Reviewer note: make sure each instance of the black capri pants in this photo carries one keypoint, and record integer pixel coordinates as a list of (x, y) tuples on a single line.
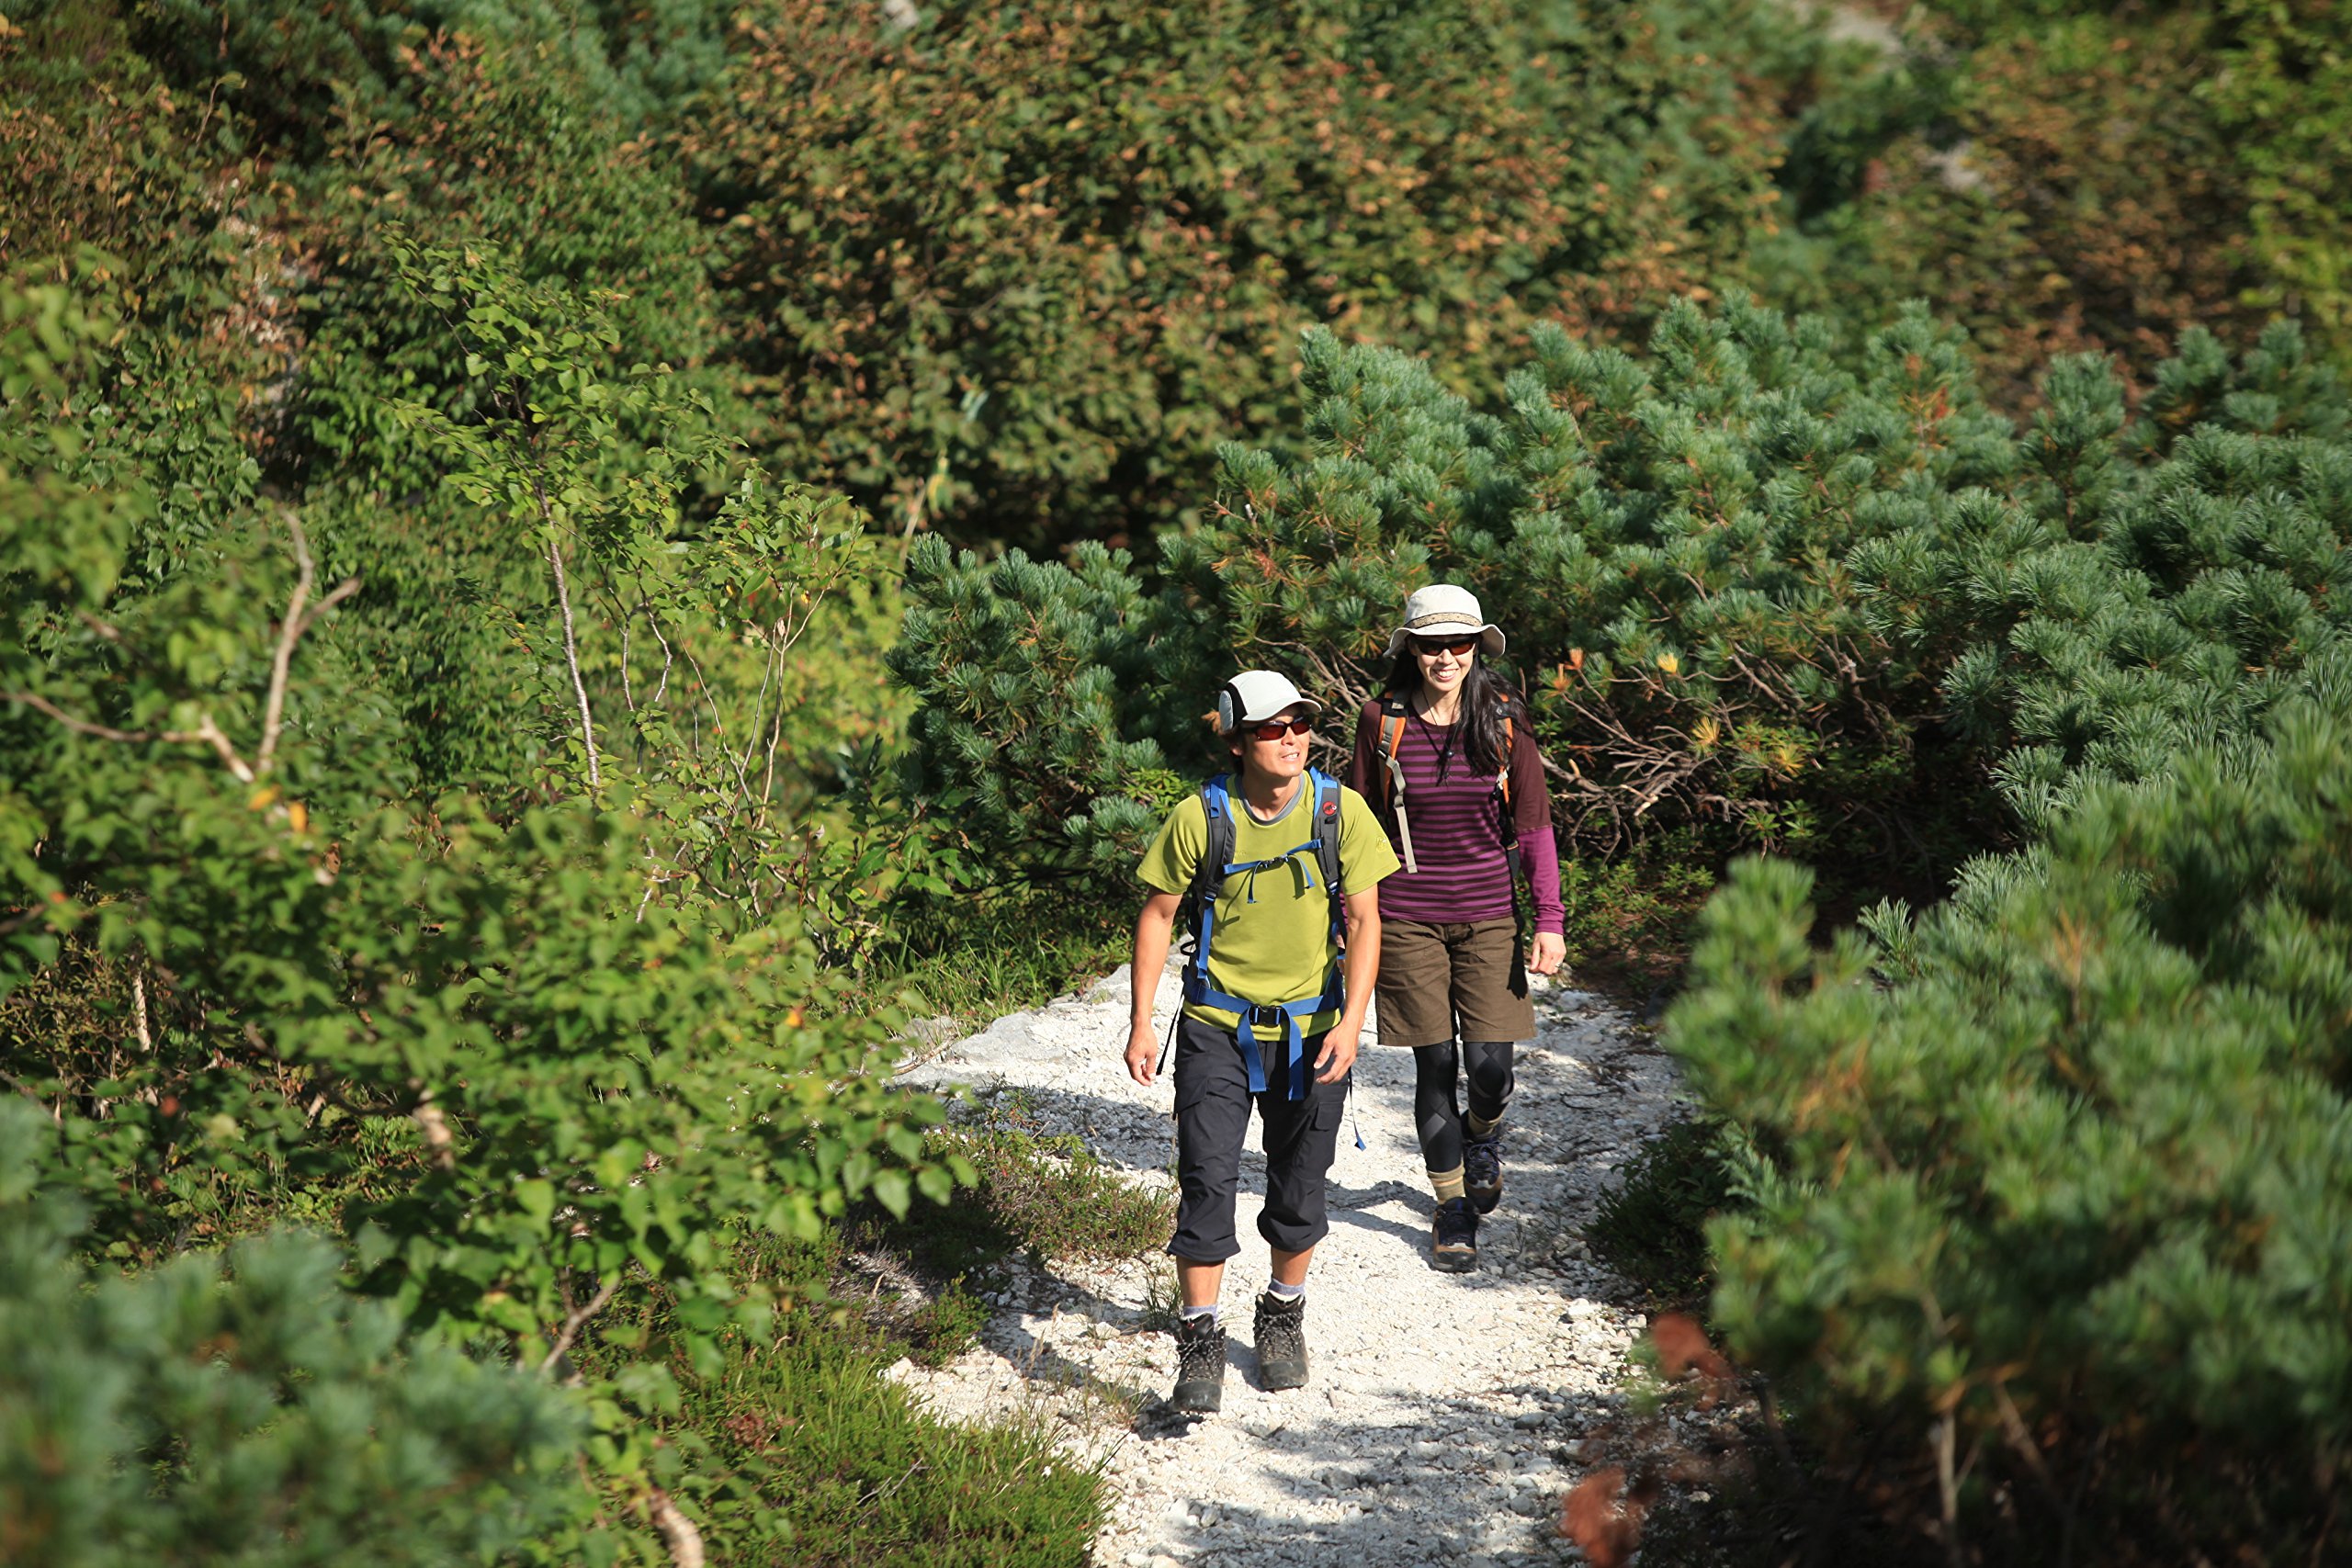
[(1213, 1117)]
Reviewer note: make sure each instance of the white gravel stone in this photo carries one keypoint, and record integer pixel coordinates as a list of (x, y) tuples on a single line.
[(1437, 1403)]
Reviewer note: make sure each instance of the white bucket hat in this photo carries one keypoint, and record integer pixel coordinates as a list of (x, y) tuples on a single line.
[(1258, 695), (1441, 608)]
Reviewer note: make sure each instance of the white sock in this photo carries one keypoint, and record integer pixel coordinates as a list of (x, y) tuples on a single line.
[(1208, 1312), (1283, 1292)]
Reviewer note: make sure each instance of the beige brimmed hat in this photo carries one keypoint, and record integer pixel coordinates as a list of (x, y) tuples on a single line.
[(1441, 608)]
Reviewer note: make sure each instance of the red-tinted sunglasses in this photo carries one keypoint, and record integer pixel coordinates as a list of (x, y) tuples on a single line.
[(1432, 647), (1275, 728)]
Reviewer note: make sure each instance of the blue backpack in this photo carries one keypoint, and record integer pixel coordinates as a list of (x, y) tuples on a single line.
[(1208, 885)]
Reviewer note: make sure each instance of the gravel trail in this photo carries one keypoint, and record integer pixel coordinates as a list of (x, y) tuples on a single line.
[(1441, 1417)]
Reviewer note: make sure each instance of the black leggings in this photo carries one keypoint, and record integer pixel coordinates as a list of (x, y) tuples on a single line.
[(1437, 1113)]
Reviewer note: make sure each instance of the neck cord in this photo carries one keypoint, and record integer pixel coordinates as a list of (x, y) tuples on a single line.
[(1444, 752)]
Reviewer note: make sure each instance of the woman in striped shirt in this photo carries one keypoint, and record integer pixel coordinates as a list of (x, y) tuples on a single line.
[(1448, 755)]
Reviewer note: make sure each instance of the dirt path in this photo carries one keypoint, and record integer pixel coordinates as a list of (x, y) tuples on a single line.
[(1439, 1422)]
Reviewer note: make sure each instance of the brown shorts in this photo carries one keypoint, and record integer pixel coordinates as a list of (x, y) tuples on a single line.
[(1431, 974)]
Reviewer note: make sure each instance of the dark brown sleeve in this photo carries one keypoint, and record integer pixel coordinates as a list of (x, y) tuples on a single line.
[(1367, 755), (1530, 796)]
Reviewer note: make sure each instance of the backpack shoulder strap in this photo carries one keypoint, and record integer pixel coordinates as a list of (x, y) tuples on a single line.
[(1392, 739), (1217, 805), (1208, 877), (1327, 828), (1510, 710)]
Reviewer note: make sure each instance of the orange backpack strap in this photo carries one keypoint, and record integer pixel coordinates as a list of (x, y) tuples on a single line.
[(1392, 740), (1502, 777)]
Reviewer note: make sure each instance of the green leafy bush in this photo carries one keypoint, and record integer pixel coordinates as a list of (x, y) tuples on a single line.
[(474, 1039), (246, 1408), (2068, 1197), (1018, 271), (2063, 176)]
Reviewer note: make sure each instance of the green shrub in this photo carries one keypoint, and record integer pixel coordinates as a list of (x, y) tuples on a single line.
[(2068, 1197), (1628, 918), (475, 1041), (245, 1407), (2064, 175), (1666, 541), (1652, 1226), (1753, 598), (2144, 606), (1018, 271), (1054, 1195)]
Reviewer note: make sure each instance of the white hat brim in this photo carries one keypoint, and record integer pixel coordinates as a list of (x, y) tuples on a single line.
[(1491, 640)]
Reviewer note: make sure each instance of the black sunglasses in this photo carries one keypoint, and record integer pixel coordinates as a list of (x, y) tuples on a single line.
[(1275, 728), (1430, 647)]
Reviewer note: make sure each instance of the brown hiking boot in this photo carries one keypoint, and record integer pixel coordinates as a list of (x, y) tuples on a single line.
[(1482, 1171), (1453, 1240), (1200, 1365), (1281, 1332)]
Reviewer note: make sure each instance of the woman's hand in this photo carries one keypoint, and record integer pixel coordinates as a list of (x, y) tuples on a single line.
[(1550, 948)]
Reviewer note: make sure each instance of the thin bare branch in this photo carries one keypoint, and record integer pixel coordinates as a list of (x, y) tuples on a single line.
[(685, 1542), (334, 596), (281, 664), (571, 634), (576, 1319), (205, 733), (139, 1012), (79, 726)]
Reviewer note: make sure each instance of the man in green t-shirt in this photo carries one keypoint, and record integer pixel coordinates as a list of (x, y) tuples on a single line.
[(1270, 1017)]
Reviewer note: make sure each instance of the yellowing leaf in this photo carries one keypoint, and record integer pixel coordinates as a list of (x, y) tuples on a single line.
[(1669, 663)]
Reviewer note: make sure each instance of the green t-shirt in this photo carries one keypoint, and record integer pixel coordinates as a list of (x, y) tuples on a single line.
[(1273, 942)]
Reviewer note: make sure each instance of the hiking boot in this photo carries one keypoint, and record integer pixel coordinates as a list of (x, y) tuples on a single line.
[(1200, 1365), (1281, 1332), (1482, 1171), (1454, 1244)]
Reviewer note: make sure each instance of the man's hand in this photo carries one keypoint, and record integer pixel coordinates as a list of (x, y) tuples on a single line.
[(1550, 948), (1339, 1053), (1154, 926), (1141, 1052)]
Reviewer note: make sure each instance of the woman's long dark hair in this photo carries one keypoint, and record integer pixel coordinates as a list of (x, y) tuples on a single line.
[(1483, 695)]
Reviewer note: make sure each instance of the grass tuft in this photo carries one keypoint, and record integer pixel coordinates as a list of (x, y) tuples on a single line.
[(799, 1451)]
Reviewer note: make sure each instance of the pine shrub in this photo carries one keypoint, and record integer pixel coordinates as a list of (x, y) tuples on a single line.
[(1749, 592), (245, 1407), (2067, 1197)]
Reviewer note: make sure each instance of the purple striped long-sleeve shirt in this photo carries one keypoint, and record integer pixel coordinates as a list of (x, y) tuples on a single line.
[(1464, 874)]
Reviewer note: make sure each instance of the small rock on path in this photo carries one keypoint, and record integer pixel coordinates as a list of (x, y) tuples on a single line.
[(1441, 1417)]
